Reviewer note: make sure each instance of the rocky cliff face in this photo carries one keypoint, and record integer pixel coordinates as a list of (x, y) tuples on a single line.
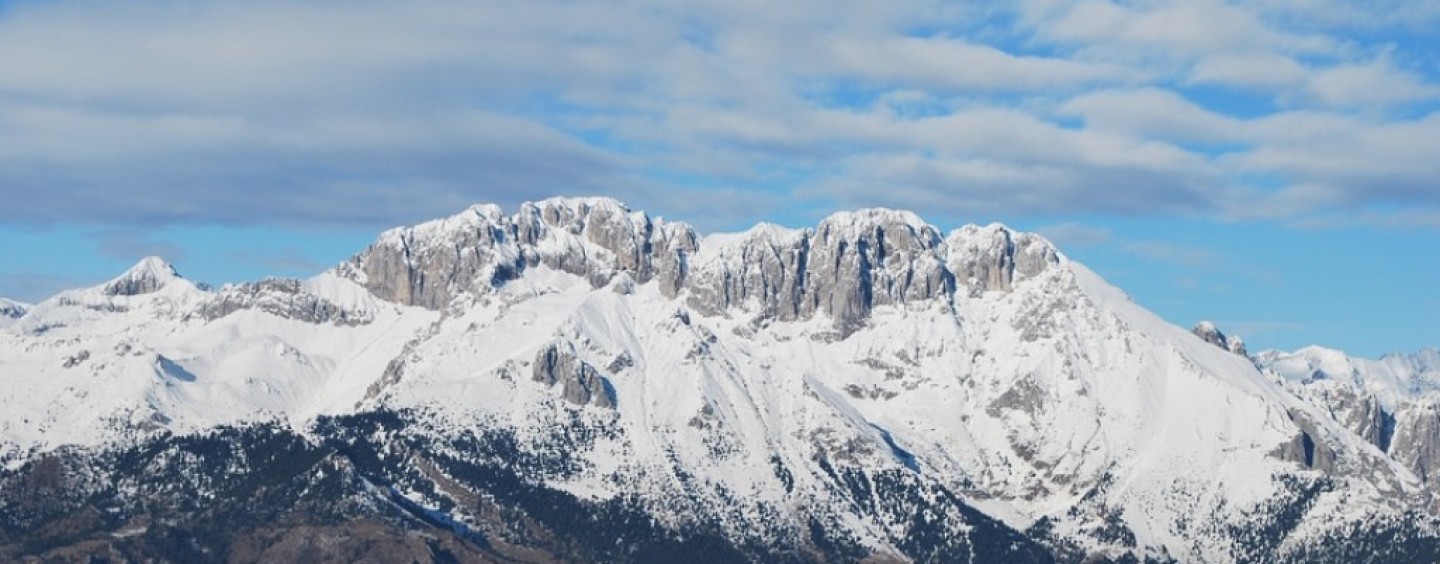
[(844, 267), (994, 258), (1416, 440), (285, 298), (580, 383), (472, 253)]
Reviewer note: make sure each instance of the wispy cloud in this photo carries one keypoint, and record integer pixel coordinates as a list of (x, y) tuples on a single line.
[(33, 287), (285, 259), (1166, 252), (1072, 234), (1261, 328), (133, 245)]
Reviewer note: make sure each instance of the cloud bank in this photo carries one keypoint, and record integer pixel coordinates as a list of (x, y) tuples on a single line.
[(372, 113)]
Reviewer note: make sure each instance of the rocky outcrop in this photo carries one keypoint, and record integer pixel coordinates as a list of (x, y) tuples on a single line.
[(580, 383), (476, 251), (599, 238), (1416, 442), (855, 261), (148, 276), (764, 269), (869, 258), (12, 309), (993, 258), (843, 268), (1211, 334), (1309, 448), (282, 297), (1360, 412)]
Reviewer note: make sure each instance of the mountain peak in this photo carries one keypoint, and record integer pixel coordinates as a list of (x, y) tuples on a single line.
[(481, 249), (877, 216), (862, 383), (147, 276), (848, 263), (582, 203)]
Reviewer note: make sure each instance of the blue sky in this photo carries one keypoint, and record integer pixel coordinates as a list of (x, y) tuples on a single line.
[(1271, 165)]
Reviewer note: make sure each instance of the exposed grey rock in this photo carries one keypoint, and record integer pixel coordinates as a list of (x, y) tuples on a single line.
[(849, 264), (425, 265), (1360, 412), (1309, 447), (869, 258), (394, 372), (766, 268), (1024, 396), (1391, 403), (995, 258), (1211, 334), (581, 384), (1416, 442), (76, 359), (481, 249), (855, 261), (281, 297), (621, 362), (149, 275)]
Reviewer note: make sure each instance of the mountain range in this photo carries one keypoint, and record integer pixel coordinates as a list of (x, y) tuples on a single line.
[(579, 381)]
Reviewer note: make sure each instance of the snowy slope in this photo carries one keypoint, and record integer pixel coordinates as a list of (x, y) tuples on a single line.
[(762, 381), (1393, 379), (136, 354)]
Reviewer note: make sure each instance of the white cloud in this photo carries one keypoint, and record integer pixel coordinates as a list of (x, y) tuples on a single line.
[(1167, 252), (1253, 70), (1375, 83), (1185, 28), (1152, 112), (1071, 235), (279, 111), (950, 65)]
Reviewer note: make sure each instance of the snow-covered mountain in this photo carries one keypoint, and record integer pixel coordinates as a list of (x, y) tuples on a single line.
[(577, 380), (1393, 403)]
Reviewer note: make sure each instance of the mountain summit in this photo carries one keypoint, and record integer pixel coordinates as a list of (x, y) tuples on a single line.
[(578, 380), (148, 275)]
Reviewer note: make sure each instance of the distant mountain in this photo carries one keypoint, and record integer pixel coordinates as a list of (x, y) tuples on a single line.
[(581, 381), (1393, 403)]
